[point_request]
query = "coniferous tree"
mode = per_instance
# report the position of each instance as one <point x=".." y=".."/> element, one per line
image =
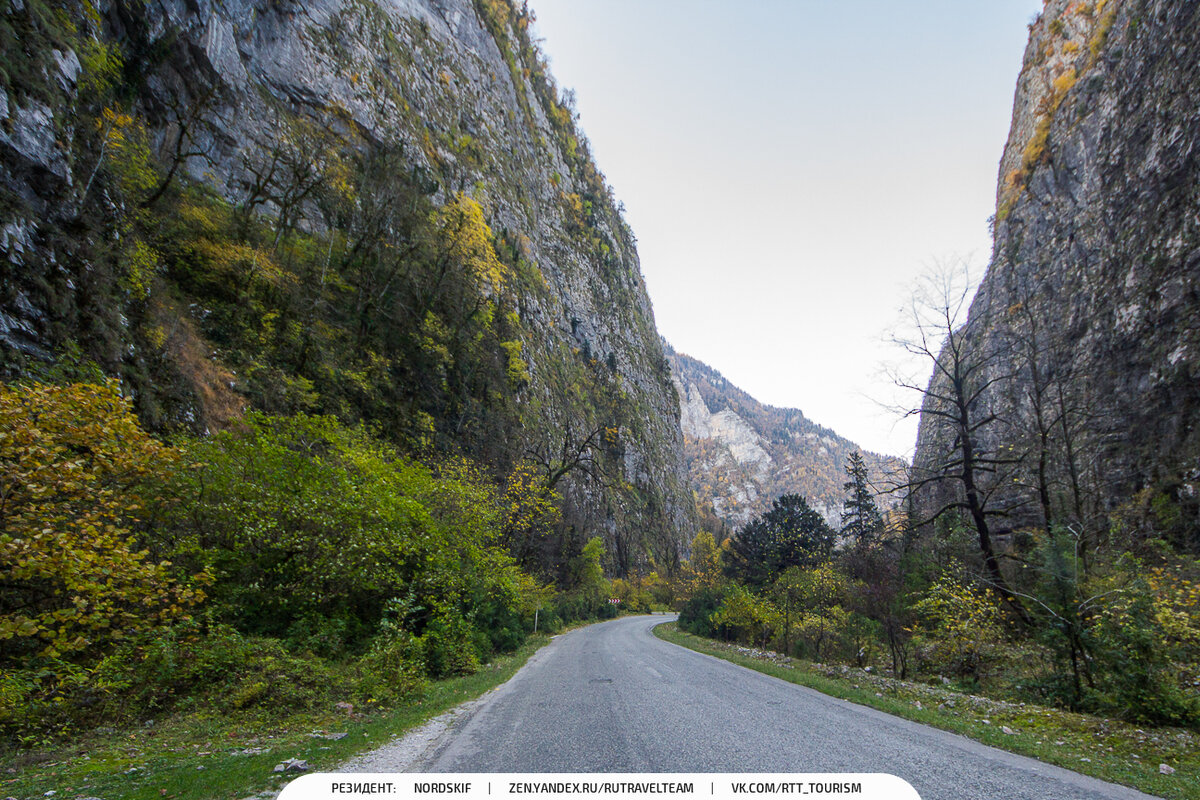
<point x="861" y="521"/>
<point x="790" y="534"/>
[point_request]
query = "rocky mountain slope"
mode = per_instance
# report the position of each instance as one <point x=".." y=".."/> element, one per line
<point x="382" y="210"/>
<point x="742" y="454"/>
<point x="1086" y="328"/>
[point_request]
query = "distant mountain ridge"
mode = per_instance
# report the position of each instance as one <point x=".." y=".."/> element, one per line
<point x="742" y="454"/>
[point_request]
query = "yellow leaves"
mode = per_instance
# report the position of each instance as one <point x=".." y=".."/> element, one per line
<point x="703" y="570"/>
<point x="958" y="610"/>
<point x="141" y="262"/>
<point x="517" y="369"/>
<point x="467" y="240"/>
<point x="242" y="261"/>
<point x="1176" y="603"/>
<point x="530" y="507"/>
<point x="125" y="142"/>
<point x="576" y="211"/>
<point x="1101" y="31"/>
<point x="101" y="62"/>
<point x="113" y="124"/>
<point x="1064" y="82"/>
<point x="208" y="219"/>
<point x="72" y="461"/>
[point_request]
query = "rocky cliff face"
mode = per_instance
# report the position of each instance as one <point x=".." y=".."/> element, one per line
<point x="228" y="92"/>
<point x="742" y="455"/>
<point x="1088" y="320"/>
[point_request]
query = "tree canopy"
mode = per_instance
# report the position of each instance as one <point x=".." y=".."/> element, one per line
<point x="790" y="534"/>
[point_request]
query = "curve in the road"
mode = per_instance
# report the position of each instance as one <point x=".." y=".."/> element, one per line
<point x="612" y="697"/>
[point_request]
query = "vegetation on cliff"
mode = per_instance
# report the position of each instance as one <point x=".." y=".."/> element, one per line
<point x="288" y="404"/>
<point x="741" y="454"/>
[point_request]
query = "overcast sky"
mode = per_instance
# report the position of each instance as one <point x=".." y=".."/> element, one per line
<point x="789" y="167"/>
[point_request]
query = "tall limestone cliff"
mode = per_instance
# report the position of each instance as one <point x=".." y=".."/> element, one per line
<point x="741" y="454"/>
<point x="1084" y="338"/>
<point x="381" y="209"/>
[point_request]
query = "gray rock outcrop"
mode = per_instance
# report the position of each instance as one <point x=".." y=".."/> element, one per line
<point x="1090" y="310"/>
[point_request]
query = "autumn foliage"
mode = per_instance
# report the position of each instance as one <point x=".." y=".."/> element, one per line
<point x="74" y="465"/>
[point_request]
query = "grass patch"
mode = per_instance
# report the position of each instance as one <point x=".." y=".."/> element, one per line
<point x="210" y="756"/>
<point x="1102" y="748"/>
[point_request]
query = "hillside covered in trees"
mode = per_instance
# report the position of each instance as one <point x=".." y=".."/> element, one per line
<point x="741" y="454"/>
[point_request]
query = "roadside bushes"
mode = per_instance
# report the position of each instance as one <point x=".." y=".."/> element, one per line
<point x="695" y="616"/>
<point x="1146" y="644"/>
<point x="315" y="532"/>
<point x="304" y="546"/>
<point x="75" y="583"/>
<point x="75" y="472"/>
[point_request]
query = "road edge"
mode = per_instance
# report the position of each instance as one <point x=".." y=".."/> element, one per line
<point x="962" y="739"/>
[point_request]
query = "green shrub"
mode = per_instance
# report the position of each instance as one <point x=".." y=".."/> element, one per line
<point x="1136" y="677"/>
<point x="449" y="644"/>
<point x="312" y="528"/>
<point x="696" y="614"/>
<point x="218" y="667"/>
<point x="745" y="617"/>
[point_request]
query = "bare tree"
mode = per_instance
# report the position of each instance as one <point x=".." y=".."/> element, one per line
<point x="186" y="120"/>
<point x="957" y="469"/>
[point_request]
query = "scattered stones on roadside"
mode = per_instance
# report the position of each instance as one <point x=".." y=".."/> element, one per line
<point x="1165" y="769"/>
<point x="291" y="765"/>
<point x="1008" y="730"/>
<point x="344" y="706"/>
<point x="918" y="705"/>
<point x="333" y="737"/>
<point x="251" y="751"/>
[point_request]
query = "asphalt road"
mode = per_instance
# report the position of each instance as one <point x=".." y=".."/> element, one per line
<point x="614" y="698"/>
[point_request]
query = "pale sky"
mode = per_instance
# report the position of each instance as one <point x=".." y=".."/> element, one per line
<point x="790" y="167"/>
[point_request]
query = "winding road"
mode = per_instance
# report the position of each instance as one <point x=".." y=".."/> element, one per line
<point x="612" y="697"/>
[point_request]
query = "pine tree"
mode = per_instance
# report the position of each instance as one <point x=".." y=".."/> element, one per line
<point x="861" y="521"/>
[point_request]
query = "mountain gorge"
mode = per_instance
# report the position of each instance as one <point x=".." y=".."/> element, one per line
<point x="742" y="454"/>
<point x="330" y="391"/>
